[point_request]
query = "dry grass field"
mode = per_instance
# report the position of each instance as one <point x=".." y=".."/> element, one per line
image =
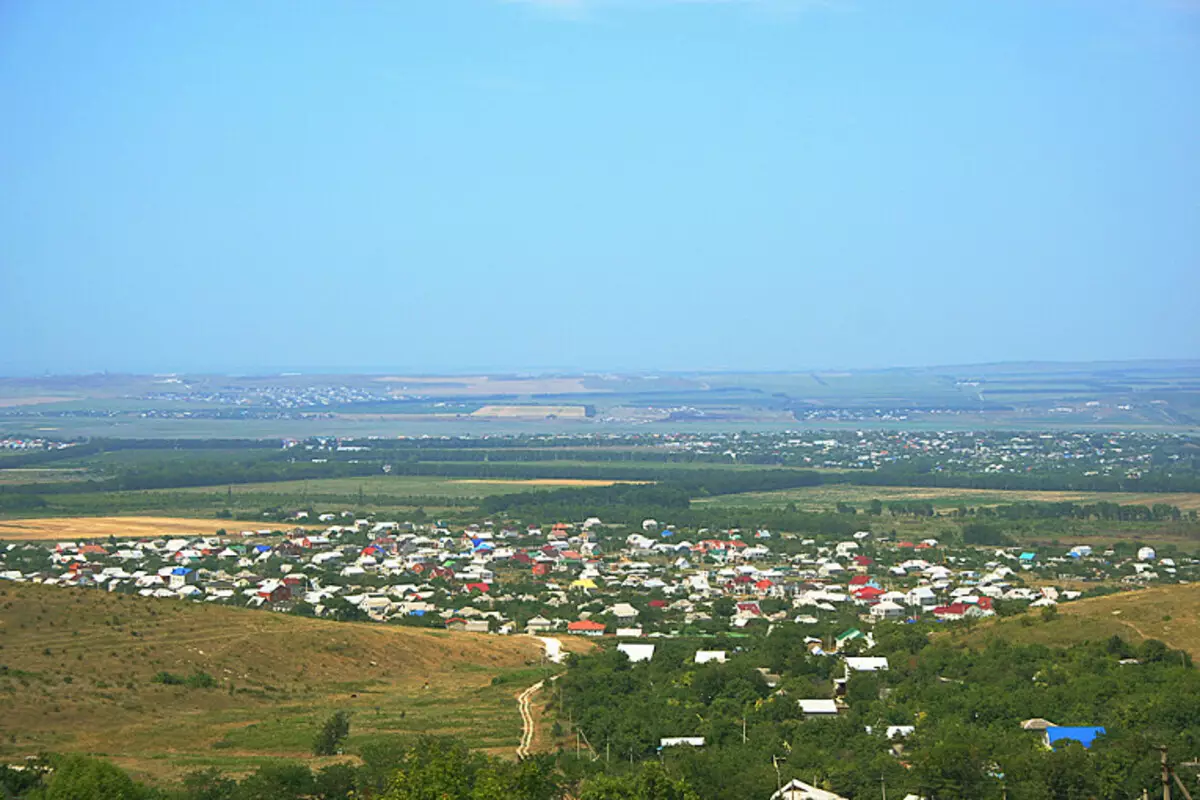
<point x="531" y="412"/>
<point x="73" y="528"/>
<point x="826" y="497"/>
<point x="516" y="484"/>
<point x="77" y="672"/>
<point x="1170" y="614"/>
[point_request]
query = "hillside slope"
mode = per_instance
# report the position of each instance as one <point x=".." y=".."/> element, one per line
<point x="1170" y="614"/>
<point x="78" y="667"/>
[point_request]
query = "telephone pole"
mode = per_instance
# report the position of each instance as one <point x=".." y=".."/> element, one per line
<point x="1166" y="774"/>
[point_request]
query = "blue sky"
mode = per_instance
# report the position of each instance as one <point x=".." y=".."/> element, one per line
<point x="596" y="184"/>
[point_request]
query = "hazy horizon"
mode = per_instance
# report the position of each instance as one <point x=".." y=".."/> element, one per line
<point x="596" y="185"/>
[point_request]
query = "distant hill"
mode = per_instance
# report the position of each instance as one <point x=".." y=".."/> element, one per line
<point x="78" y="673"/>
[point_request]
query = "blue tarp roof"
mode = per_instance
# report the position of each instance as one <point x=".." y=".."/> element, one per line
<point x="261" y="548"/>
<point x="180" y="571"/>
<point x="1084" y="735"/>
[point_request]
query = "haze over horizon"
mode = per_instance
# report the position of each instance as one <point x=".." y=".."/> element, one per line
<point x="596" y="185"/>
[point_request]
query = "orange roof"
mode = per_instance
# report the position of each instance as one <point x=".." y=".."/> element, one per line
<point x="585" y="625"/>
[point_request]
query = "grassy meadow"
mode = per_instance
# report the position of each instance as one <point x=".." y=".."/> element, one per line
<point x="1170" y="614"/>
<point x="78" y="667"/>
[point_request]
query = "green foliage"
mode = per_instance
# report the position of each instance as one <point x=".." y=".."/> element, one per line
<point x="75" y="777"/>
<point x="650" y="782"/>
<point x="333" y="732"/>
<point x="444" y="769"/>
<point x="197" y="680"/>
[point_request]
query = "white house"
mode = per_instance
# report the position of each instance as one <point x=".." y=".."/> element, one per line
<point x="817" y="708"/>
<point x="798" y="790"/>
<point x="637" y="652"/>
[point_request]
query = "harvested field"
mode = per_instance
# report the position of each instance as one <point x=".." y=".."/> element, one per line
<point x="546" y="482"/>
<point x="826" y="497"/>
<point x="463" y="385"/>
<point x="55" y="528"/>
<point x="531" y="412"/>
<point x="14" y="402"/>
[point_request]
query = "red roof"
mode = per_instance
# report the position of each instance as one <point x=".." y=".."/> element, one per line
<point x="905" y="544"/>
<point x="860" y="580"/>
<point x="585" y="625"/>
<point x="478" y="587"/>
<point x="868" y="593"/>
<point x="863" y="561"/>
<point x="658" y="603"/>
<point x="957" y="609"/>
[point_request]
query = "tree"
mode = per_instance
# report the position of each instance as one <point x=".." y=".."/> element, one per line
<point x="332" y="733"/>
<point x="209" y="784"/>
<point x="75" y="777"/>
<point x="651" y="782"/>
<point x="277" y="781"/>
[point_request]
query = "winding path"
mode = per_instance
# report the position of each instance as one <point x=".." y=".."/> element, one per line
<point x="527" y="721"/>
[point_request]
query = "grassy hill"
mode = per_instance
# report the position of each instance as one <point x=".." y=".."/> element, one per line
<point x="1170" y="614"/>
<point x="78" y="669"/>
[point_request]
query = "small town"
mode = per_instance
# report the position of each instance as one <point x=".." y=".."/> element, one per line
<point x="591" y="579"/>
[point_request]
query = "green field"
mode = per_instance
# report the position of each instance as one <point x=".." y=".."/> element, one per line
<point x="376" y="492"/>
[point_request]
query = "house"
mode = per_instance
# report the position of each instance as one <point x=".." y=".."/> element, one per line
<point x="818" y="708"/>
<point x="1060" y="734"/>
<point x="180" y="577"/>
<point x="273" y="591"/>
<point x="676" y="741"/>
<point x="539" y="624"/>
<point x="705" y="656"/>
<point x="865" y="664"/>
<point x="798" y="790"/>
<point x="637" y="652"/>
<point x="887" y="610"/>
<point x="586" y="627"/>
<point x="624" y="613"/>
<point x="1037" y="724"/>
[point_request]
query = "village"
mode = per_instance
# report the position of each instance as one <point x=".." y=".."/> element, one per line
<point x="591" y="579"/>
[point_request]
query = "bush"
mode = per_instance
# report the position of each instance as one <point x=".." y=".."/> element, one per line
<point x="197" y="680"/>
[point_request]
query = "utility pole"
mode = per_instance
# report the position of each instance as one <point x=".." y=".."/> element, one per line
<point x="744" y="730"/>
<point x="1166" y="774"/>
<point x="883" y="786"/>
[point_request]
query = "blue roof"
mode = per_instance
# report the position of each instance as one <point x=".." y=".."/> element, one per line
<point x="261" y="548"/>
<point x="1084" y="735"/>
<point x="1028" y="556"/>
<point x="666" y="532"/>
<point x="180" y="571"/>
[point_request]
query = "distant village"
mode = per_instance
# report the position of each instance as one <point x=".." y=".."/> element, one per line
<point x="587" y="578"/>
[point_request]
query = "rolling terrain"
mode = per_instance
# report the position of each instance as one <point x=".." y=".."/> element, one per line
<point x="1170" y="614"/>
<point x="78" y="674"/>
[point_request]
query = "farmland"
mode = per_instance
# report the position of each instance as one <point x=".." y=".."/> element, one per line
<point x="827" y="496"/>
<point x="56" y="528"/>
<point x="78" y="671"/>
